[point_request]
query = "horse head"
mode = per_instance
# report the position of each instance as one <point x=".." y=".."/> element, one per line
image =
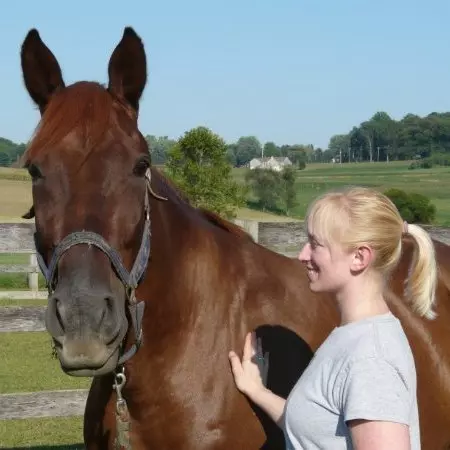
<point x="90" y="170"/>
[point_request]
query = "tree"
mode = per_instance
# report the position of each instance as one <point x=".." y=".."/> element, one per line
<point x="247" y="148"/>
<point x="339" y="145"/>
<point x="287" y="191"/>
<point x="198" y="164"/>
<point x="270" y="149"/>
<point x="159" y="147"/>
<point x="265" y="184"/>
<point x="297" y="155"/>
<point x="5" y="160"/>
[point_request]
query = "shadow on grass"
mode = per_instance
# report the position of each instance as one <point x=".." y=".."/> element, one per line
<point x="79" y="446"/>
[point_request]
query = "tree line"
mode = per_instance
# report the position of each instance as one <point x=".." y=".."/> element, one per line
<point x="239" y="153"/>
<point x="10" y="152"/>
<point x="382" y="138"/>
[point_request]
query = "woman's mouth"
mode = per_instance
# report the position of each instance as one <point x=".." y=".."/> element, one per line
<point x="312" y="272"/>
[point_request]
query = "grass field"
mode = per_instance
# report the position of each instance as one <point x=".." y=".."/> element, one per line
<point x="14" y="258"/>
<point x="318" y="178"/>
<point x="28" y="365"/>
<point x="64" y="433"/>
<point x="15" y="186"/>
<point x="15" y="194"/>
<point x="4" y="302"/>
<point x="18" y="281"/>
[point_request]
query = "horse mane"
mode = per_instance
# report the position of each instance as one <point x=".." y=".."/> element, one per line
<point x="210" y="216"/>
<point x="224" y="224"/>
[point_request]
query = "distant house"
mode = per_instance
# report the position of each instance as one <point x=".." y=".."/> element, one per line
<point x="271" y="162"/>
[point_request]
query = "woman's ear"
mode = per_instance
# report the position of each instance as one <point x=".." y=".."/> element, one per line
<point x="362" y="257"/>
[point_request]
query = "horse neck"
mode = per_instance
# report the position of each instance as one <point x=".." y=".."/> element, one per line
<point x="184" y="249"/>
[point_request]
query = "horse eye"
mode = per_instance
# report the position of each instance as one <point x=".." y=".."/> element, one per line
<point x="34" y="172"/>
<point x="141" y="167"/>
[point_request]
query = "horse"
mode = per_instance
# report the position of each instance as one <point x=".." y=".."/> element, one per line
<point x="147" y="294"/>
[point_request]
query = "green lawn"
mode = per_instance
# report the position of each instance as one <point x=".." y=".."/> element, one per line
<point x="318" y="178"/>
<point x="14" y="258"/>
<point x="28" y="365"/>
<point x="18" y="281"/>
<point x="42" y="434"/>
<point x="23" y="302"/>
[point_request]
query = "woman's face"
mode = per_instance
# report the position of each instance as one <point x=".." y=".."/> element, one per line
<point x="328" y="265"/>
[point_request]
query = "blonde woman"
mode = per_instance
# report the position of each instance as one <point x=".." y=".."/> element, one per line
<point x="359" y="390"/>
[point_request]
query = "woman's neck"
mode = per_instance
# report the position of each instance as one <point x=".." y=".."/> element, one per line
<point x="361" y="298"/>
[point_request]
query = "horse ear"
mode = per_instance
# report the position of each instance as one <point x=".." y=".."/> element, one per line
<point x="41" y="72"/>
<point x="29" y="214"/>
<point x="127" y="68"/>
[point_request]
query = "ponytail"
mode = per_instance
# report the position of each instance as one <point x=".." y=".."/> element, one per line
<point x="420" y="286"/>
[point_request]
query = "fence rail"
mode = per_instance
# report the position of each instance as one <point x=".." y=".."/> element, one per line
<point x="31" y="269"/>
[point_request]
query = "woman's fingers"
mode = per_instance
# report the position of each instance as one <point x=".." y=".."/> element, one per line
<point x="236" y="366"/>
<point x="248" y="347"/>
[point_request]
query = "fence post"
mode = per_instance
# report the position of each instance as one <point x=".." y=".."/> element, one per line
<point x="33" y="273"/>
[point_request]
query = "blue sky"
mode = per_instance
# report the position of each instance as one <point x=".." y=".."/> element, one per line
<point x="288" y="71"/>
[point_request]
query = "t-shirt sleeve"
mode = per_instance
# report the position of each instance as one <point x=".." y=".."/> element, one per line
<point x="374" y="389"/>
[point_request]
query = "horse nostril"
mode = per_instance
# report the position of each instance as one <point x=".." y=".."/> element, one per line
<point x="55" y="315"/>
<point x="109" y="304"/>
<point x="59" y="311"/>
<point x="108" y="310"/>
<point x="110" y="321"/>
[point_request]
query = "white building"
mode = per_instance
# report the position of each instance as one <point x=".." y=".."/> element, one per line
<point x="271" y="162"/>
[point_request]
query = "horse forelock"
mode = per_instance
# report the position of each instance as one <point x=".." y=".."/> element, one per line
<point x="85" y="108"/>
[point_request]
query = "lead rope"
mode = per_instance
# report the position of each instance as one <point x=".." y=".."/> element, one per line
<point x="123" y="422"/>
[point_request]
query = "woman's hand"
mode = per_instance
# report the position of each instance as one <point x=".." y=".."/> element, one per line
<point x="250" y="375"/>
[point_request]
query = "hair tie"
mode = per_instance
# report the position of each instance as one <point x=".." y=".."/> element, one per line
<point x="405" y="227"/>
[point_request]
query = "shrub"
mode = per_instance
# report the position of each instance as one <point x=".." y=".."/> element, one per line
<point x="413" y="207"/>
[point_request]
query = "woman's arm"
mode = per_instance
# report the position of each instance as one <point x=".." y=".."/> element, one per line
<point x="379" y="435"/>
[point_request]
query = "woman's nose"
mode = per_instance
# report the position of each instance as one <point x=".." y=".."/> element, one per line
<point x="304" y="253"/>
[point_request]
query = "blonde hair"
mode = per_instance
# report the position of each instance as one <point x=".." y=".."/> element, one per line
<point x="357" y="216"/>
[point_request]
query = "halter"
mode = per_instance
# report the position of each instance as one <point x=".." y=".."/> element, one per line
<point x="129" y="279"/>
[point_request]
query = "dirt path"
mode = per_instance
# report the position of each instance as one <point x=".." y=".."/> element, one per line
<point x="22" y="318"/>
<point x="43" y="404"/>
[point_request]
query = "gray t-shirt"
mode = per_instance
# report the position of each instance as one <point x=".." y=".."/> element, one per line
<point x="363" y="370"/>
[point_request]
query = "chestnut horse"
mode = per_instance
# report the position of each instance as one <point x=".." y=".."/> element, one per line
<point x="147" y="294"/>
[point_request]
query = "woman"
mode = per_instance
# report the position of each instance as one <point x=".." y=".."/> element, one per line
<point x="359" y="390"/>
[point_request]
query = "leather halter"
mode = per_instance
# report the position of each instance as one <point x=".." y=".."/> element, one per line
<point x="130" y="279"/>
